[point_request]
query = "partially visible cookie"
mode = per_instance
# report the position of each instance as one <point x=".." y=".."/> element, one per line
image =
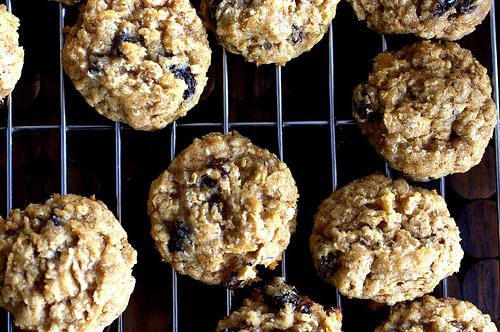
<point x="429" y="314"/>
<point x="442" y="19"/>
<point x="65" y="265"/>
<point x="268" y="31"/>
<point x="427" y="109"/>
<point x="385" y="240"/>
<point x="11" y="54"/>
<point x="67" y="2"/>
<point x="222" y="208"/>
<point x="143" y="62"/>
<point x="278" y="307"/>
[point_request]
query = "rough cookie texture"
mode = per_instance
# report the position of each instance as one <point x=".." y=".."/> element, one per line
<point x="278" y="307"/>
<point x="385" y="240"/>
<point x="429" y="314"/>
<point x="223" y="207"/>
<point x="268" y="31"/>
<point x="427" y="109"/>
<point x="11" y="54"/>
<point x="143" y="62"/>
<point x="443" y="19"/>
<point x="65" y="265"/>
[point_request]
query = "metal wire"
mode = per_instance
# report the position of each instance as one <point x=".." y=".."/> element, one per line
<point x="118" y="189"/>
<point x="496" y="97"/>
<point x="279" y="128"/>
<point x="175" y="308"/>
<point x="333" y="141"/>
<point x="225" y="128"/>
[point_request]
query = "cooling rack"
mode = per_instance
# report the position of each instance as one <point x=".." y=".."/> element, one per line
<point x="176" y="303"/>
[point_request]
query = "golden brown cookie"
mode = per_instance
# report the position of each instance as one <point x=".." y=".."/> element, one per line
<point x="278" y="307"/>
<point x="443" y="19"/>
<point x="223" y="207"/>
<point x="268" y="31"/>
<point x="385" y="240"/>
<point x="427" y="109"/>
<point x="65" y="265"/>
<point x="143" y="62"/>
<point x="11" y="54"/>
<point x="429" y="314"/>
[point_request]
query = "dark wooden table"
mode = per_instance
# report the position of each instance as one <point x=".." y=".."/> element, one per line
<point x="91" y="162"/>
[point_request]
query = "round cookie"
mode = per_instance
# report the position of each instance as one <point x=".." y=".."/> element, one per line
<point x="268" y="31"/>
<point x="442" y="19"/>
<point x="385" y="240"/>
<point x="222" y="208"/>
<point x="65" y="265"/>
<point x="278" y="307"/>
<point x="143" y="62"/>
<point x="11" y="54"/>
<point x="427" y="109"/>
<point x="437" y="315"/>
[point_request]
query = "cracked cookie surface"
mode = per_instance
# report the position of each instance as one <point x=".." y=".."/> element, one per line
<point x="11" y="54"/>
<point x="223" y="207"/>
<point x="427" y="109"/>
<point x="385" y="240"/>
<point x="430" y="314"/>
<point x="442" y="19"/>
<point x="278" y="307"/>
<point x="143" y="62"/>
<point x="268" y="31"/>
<point x="65" y="265"/>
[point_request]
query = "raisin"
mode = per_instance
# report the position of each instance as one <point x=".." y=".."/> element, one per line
<point x="280" y="300"/>
<point x="95" y="68"/>
<point x="328" y="265"/>
<point x="233" y="282"/>
<point x="56" y="220"/>
<point x="188" y="77"/>
<point x="461" y="6"/>
<point x="124" y="37"/>
<point x="218" y="164"/>
<point x="268" y="45"/>
<point x="213" y="11"/>
<point x="178" y="236"/>
<point x="363" y="111"/>
<point x="297" y="35"/>
<point x="206" y="181"/>
<point x="305" y="307"/>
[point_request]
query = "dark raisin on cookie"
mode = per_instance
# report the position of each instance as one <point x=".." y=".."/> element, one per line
<point x="233" y="282"/>
<point x="363" y="110"/>
<point x="297" y="35"/>
<point x="218" y="164"/>
<point x="95" y="68"/>
<point x="213" y="11"/>
<point x="188" y="77"/>
<point x="207" y="182"/>
<point x="305" y="307"/>
<point x="124" y="37"/>
<point x="328" y="265"/>
<point x="461" y="6"/>
<point x="280" y="300"/>
<point x="56" y="220"/>
<point x="179" y="234"/>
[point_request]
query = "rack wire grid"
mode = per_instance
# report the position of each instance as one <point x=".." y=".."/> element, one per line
<point x="333" y="124"/>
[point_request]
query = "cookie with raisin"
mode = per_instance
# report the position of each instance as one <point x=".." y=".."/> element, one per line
<point x="427" y="109"/>
<point x="385" y="240"/>
<point x="223" y="208"/>
<point x="268" y="31"/>
<point x="430" y="314"/>
<point x="278" y="307"/>
<point x="65" y="265"/>
<point x="441" y="19"/>
<point x="11" y="54"/>
<point x="142" y="62"/>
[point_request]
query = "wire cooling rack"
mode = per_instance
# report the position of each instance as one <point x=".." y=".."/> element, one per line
<point x="333" y="124"/>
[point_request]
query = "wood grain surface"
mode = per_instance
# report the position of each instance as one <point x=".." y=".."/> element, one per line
<point x="471" y="197"/>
